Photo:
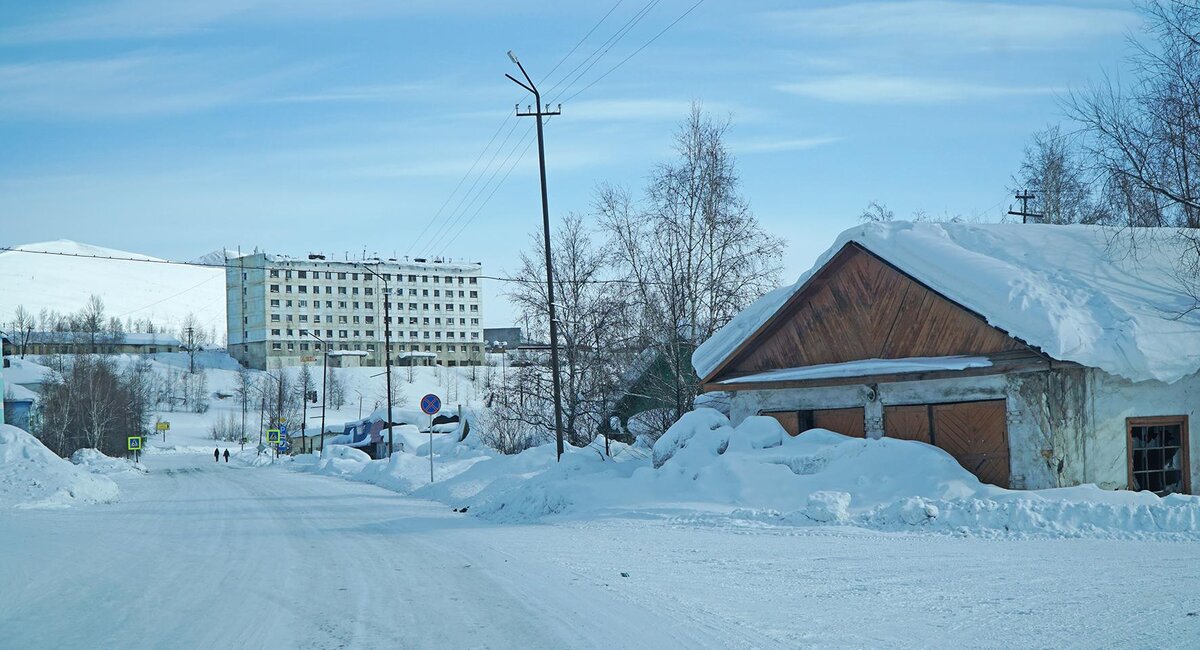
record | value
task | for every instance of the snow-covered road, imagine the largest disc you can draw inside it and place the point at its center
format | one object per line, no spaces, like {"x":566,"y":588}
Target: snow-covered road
{"x":202,"y":555}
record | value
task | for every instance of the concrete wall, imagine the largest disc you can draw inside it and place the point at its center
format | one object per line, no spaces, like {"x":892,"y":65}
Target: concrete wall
{"x":1066,"y":425}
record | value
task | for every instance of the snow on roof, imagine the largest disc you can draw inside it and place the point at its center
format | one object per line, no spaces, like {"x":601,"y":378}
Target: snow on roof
{"x":128,"y":338}
{"x":1096,"y":296}
{"x":863,"y":368}
{"x":22,"y":371}
{"x":18,"y":393}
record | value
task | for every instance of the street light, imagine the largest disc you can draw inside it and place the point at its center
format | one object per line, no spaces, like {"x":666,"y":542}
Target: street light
{"x":324,"y":381}
{"x":387,"y":349}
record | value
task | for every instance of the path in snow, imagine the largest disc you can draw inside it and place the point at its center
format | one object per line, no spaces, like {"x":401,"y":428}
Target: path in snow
{"x":204,"y":555}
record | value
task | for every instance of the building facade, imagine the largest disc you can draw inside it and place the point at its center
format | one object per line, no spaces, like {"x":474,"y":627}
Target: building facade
{"x":283,"y":311}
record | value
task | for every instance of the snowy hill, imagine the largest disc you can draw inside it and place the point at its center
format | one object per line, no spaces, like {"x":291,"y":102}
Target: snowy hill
{"x":164,"y":293}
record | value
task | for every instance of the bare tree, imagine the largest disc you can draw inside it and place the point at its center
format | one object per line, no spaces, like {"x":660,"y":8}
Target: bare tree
{"x":1144,"y":137}
{"x":693,"y":252}
{"x":91,"y":321}
{"x":876,"y":212}
{"x":1054,"y":170}
{"x":23,"y":324}
{"x":591,"y":321}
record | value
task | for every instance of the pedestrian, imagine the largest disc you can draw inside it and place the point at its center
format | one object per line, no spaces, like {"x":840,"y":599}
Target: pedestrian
{"x":227,"y":455}
{"x":217,"y":455}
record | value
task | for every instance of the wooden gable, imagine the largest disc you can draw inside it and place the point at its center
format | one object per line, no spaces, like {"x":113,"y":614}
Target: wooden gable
{"x":859,"y":307}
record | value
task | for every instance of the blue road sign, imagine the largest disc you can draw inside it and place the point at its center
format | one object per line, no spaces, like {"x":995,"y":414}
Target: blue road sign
{"x":431,"y":404}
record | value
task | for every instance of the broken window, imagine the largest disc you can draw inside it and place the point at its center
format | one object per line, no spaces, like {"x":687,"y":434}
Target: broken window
{"x":1158,"y":454}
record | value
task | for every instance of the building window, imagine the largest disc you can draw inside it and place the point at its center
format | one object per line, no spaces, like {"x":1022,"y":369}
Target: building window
{"x":1158,"y":454}
{"x":369,"y":305}
{"x":342,"y":334}
{"x":341,"y":276}
{"x":474,"y":294}
{"x":353,"y":276}
{"x":275,"y":302}
{"x":302,"y":274}
{"x":474,"y":280}
{"x":287,"y":288}
{"x":369,"y":291}
{"x":274,"y":288}
{"x":342,"y":291}
{"x":276,"y":346}
{"x":274,"y":332}
{"x":274,"y":273}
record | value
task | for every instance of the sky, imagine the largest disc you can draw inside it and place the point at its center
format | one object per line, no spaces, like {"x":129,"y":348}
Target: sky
{"x":295,"y":126}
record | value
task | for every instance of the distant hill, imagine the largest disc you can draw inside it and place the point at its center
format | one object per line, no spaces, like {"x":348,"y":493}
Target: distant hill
{"x":164,"y":293}
{"x":217,"y":257}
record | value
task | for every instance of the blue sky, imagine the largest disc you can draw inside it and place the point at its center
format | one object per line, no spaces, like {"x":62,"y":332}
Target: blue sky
{"x":177,"y":128}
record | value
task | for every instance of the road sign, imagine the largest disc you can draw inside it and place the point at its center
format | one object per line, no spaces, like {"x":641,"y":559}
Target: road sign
{"x":134,"y":443}
{"x":162,"y":426}
{"x":431,"y":404}
{"x":282,"y":420}
{"x":273,"y":436}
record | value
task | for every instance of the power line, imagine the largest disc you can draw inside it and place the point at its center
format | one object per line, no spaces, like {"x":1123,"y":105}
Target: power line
{"x":604,"y":47}
{"x":635,"y":52}
{"x":460,"y":182}
{"x":509,"y":116}
{"x":243,"y":266}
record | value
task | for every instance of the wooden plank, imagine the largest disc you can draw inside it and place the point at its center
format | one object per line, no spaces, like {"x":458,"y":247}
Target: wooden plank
{"x":976,"y":435}
{"x":910,"y":422}
{"x":860,"y":307}
{"x":848,"y":422}
{"x":1001,"y":364}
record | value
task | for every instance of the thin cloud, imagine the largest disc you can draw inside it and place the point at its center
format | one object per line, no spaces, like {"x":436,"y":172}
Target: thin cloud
{"x":776,"y":145}
{"x":966,"y":25}
{"x":880,"y":89}
{"x":144,"y":19}
{"x":133,"y":85}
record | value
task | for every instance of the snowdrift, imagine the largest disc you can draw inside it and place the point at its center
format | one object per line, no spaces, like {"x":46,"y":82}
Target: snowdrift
{"x":94,"y":461}
{"x":31,"y":476}
{"x":704,"y":468}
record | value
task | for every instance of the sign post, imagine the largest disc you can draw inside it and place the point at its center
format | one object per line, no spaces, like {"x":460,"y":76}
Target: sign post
{"x":162,"y":427}
{"x":134,"y":444}
{"x":430,"y":405}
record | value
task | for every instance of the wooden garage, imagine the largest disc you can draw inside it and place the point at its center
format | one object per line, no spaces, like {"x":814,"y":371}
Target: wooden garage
{"x":859,"y":308}
{"x":1037,"y":356}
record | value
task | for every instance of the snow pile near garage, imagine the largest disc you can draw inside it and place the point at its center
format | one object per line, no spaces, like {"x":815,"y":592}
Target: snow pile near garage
{"x":1100,"y":297}
{"x":705,"y":468}
{"x":94,"y":461}
{"x":31,"y":476}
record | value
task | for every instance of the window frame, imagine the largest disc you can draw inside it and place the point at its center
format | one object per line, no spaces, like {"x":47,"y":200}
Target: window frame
{"x":1184,"y":444}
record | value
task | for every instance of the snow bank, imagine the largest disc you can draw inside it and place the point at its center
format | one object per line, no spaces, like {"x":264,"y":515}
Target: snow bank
{"x":31,"y":476}
{"x":94,"y":461}
{"x":1086,"y":294}
{"x":704,"y":467}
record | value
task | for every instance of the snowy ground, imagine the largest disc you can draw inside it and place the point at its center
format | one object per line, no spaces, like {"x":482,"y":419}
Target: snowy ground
{"x":200,"y":554}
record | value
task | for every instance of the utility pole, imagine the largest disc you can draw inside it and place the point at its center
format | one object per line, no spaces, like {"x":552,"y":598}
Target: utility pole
{"x":387,"y":352}
{"x":538,"y":114}
{"x":190,"y":331}
{"x":1024,"y":196}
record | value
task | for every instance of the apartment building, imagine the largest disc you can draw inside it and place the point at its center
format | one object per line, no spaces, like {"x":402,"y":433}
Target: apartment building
{"x":283,"y":311}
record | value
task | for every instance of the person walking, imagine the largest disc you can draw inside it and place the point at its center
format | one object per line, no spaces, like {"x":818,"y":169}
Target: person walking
{"x":227,"y":455}
{"x":217,"y":455}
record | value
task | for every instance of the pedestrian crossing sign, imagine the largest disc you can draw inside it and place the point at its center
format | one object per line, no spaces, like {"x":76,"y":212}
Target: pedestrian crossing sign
{"x":273,"y":436}
{"x":134,"y":443}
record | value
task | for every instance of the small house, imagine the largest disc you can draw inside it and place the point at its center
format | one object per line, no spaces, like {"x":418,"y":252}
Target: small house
{"x":1036,"y":355}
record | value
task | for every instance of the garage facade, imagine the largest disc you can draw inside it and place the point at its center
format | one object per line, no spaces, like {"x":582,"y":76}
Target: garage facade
{"x":862,"y":347}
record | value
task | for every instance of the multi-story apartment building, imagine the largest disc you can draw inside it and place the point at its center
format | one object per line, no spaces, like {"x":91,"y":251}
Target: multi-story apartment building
{"x":280,"y":309}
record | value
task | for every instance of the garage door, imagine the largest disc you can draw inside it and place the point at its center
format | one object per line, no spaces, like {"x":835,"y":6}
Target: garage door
{"x":848,"y":422}
{"x":974,"y":433}
{"x":790,"y":420}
